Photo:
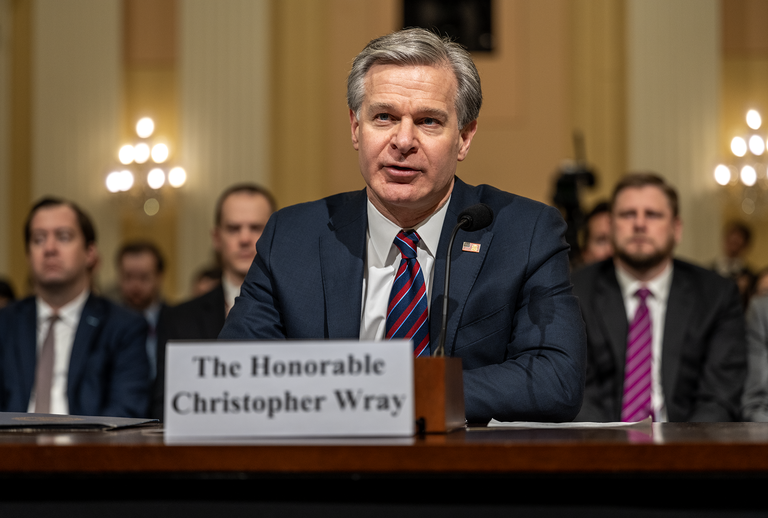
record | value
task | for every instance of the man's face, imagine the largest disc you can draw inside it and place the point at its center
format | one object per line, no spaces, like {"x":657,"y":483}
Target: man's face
{"x":139,"y":280}
{"x":734,"y":243}
{"x":243,"y":218}
{"x":57,"y":254}
{"x":598,"y":246}
{"x":643,"y":228}
{"x":408,"y":139}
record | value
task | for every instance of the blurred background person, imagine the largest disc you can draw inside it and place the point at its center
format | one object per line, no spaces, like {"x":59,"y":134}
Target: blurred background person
{"x":737,"y":238}
{"x":597,"y":234}
{"x":205,"y":280}
{"x":7,"y":294}
{"x":241,"y":213}
{"x":66,"y":350}
{"x":140,"y":267}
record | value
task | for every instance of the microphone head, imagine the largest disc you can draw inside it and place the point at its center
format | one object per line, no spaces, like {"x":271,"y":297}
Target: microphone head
{"x":476,"y":217}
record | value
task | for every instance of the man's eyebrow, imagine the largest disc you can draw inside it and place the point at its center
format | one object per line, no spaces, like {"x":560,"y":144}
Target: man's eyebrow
{"x":435,"y":113}
{"x":380,"y":107}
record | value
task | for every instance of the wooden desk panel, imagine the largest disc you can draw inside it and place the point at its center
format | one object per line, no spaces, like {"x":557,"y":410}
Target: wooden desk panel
{"x":737,"y":448}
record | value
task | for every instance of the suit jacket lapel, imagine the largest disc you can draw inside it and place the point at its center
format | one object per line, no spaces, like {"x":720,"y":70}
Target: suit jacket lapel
{"x":26,"y":346}
{"x":215,"y":307}
{"x":91,"y":321}
{"x":342,"y":259}
{"x":612,"y":315}
{"x":680,"y":307}
{"x":465,"y":267}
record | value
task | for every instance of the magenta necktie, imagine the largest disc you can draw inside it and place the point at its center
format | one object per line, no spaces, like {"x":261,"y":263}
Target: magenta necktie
{"x":636,"y":403}
{"x":407,"y":313}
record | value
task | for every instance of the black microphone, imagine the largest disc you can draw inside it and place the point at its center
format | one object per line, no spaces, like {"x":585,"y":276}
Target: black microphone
{"x":472,"y":218}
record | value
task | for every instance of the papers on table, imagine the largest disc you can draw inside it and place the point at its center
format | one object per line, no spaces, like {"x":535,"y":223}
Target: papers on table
{"x":644,"y":425}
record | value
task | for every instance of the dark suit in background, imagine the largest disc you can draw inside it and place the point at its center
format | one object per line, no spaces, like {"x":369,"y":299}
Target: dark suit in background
{"x":511,"y":318}
{"x":198,"y":319}
{"x":108,"y":369}
{"x":703,"y":365}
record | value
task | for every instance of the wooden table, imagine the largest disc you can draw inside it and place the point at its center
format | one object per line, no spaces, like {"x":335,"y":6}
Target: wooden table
{"x":710,"y":467}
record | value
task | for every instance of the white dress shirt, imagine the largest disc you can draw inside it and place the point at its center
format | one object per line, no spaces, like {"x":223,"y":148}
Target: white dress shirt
{"x":382,"y":258}
{"x":231,"y":292}
{"x":657,"y":306}
{"x":64,"y":339}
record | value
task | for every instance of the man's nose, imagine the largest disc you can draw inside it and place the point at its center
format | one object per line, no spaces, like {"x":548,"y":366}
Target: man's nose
{"x":246,"y":237}
{"x":404,"y":139}
{"x":50,"y":245}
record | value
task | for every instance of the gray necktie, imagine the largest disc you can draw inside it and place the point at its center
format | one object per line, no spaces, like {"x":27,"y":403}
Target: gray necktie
{"x":44,"y":372}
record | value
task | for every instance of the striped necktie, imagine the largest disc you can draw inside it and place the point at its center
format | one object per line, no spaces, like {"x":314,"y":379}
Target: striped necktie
{"x":407,"y":313}
{"x":636,"y":403}
{"x":44,"y":369}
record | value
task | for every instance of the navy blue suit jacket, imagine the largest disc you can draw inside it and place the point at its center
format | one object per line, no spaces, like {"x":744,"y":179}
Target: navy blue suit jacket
{"x":512,"y":318}
{"x":108,"y":369}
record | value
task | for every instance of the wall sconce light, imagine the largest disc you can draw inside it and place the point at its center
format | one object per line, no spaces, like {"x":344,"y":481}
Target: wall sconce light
{"x":144,"y":172}
{"x":748,"y":165}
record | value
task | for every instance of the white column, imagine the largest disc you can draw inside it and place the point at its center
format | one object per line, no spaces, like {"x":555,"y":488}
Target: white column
{"x":673,"y":77}
{"x":224,"y":73}
{"x":76,"y":79}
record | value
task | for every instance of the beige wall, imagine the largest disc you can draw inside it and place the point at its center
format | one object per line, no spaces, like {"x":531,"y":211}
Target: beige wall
{"x":598,"y":90}
{"x":744,"y":87}
{"x":76,"y":81}
{"x":673,"y":88}
{"x":225,"y":136}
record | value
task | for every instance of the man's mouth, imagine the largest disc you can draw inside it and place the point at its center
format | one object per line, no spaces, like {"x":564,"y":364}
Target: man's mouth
{"x":398,"y":170}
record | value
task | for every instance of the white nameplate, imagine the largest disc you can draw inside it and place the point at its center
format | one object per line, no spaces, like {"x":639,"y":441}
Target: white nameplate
{"x":284,"y":389}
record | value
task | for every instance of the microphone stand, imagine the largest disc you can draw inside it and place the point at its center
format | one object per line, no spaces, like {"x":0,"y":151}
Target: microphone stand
{"x":440,"y":350}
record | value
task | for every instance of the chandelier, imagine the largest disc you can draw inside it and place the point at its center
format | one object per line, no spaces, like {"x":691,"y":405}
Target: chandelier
{"x":145,"y":169}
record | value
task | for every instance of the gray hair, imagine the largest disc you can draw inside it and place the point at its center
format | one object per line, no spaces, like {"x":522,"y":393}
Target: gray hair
{"x":419,"y":47}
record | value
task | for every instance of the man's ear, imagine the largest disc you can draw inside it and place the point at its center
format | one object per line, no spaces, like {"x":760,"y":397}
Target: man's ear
{"x":216,"y":238}
{"x":91,"y":256}
{"x":678,"y":229}
{"x":354,"y":125}
{"x":465,"y":137}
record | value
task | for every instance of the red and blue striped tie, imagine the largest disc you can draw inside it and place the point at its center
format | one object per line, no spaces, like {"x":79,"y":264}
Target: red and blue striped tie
{"x":636,"y":403}
{"x":407,"y":313}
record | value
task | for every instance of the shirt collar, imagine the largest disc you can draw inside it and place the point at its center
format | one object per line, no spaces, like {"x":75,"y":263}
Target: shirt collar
{"x":152,"y":313}
{"x":69,"y":313}
{"x":658,"y":286}
{"x":382,"y":231}
{"x":231,"y":291}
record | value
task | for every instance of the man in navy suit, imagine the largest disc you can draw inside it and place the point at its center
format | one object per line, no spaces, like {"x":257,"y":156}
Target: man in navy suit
{"x":67,"y":351}
{"x":326,"y":269}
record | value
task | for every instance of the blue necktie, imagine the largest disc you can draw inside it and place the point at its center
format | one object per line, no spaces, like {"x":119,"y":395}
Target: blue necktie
{"x":408,"y":313}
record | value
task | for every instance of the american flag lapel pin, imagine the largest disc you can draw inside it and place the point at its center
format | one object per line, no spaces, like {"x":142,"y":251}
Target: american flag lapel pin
{"x":470,"y":247}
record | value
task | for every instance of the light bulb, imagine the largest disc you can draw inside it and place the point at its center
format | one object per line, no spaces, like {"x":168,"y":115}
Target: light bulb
{"x":160,"y":153}
{"x":141,"y":153}
{"x":722,"y":174}
{"x":145,"y":127}
{"x":748,"y":175}
{"x":156,"y":178}
{"x":753,"y":119}
{"x":738,"y":146}
{"x":177,"y":176}
{"x":126,"y":154}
